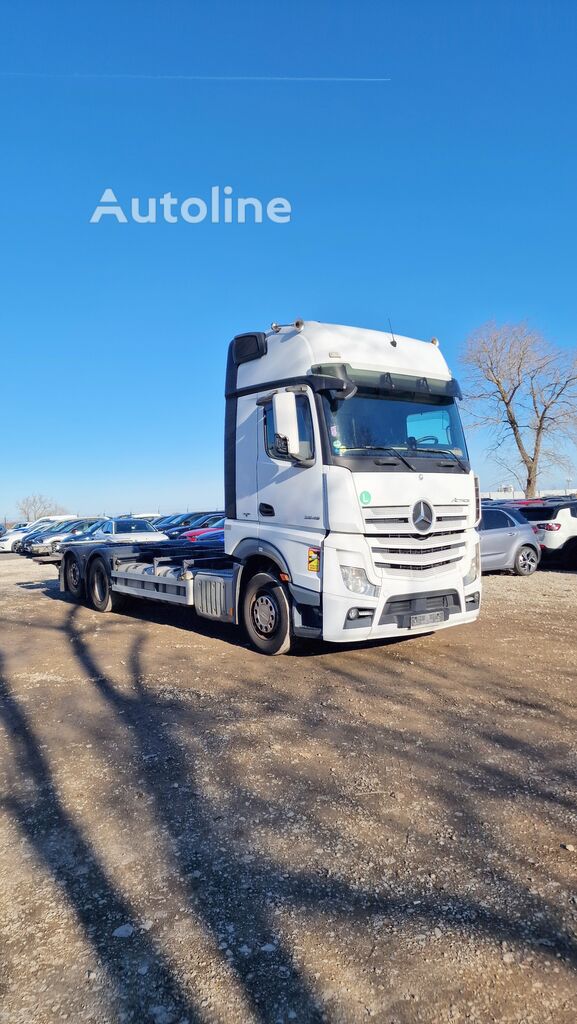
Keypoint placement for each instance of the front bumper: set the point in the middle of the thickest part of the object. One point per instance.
(393, 616)
(407, 605)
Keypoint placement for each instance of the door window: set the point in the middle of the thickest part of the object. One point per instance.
(494, 519)
(305, 425)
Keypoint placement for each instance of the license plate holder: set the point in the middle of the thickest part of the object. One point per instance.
(427, 619)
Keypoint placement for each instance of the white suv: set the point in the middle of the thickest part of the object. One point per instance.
(557, 530)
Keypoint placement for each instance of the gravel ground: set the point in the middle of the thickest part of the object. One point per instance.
(192, 832)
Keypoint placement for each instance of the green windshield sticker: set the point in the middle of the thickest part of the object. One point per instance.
(365, 497)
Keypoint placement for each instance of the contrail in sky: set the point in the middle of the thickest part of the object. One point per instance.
(187, 78)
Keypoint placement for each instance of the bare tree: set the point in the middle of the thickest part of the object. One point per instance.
(36, 505)
(525, 391)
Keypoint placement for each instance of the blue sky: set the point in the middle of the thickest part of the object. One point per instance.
(441, 199)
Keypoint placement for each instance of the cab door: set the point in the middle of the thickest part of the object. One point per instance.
(290, 503)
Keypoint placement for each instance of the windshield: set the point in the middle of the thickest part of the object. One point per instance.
(168, 520)
(371, 421)
(535, 513)
(133, 526)
(55, 527)
(95, 526)
(184, 517)
(210, 523)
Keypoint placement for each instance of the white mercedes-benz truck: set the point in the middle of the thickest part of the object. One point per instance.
(351, 505)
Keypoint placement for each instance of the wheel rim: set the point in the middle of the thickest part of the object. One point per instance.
(527, 561)
(265, 614)
(73, 574)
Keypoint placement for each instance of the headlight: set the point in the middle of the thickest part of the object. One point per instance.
(473, 568)
(356, 579)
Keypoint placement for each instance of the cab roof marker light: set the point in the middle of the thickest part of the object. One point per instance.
(435, 342)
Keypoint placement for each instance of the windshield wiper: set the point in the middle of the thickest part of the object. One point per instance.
(444, 451)
(381, 448)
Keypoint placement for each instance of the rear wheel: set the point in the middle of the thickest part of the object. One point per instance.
(73, 577)
(99, 588)
(526, 561)
(266, 614)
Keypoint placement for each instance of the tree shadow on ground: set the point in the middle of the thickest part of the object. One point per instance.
(237, 876)
(68, 857)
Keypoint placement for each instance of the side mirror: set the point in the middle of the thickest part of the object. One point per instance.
(286, 423)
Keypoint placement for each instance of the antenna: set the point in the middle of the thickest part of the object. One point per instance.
(393, 339)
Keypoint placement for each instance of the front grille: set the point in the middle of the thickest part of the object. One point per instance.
(398, 550)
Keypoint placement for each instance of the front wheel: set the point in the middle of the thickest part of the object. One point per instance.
(266, 614)
(526, 561)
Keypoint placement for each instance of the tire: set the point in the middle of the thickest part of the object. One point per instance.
(526, 561)
(99, 589)
(73, 577)
(267, 615)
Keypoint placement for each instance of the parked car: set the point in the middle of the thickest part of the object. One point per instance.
(32, 536)
(191, 521)
(213, 525)
(148, 516)
(508, 541)
(58, 545)
(210, 539)
(44, 530)
(556, 526)
(165, 521)
(12, 538)
(48, 542)
(123, 531)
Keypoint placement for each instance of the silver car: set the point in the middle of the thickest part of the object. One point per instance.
(508, 541)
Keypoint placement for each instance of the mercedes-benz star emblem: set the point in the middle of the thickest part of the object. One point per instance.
(423, 516)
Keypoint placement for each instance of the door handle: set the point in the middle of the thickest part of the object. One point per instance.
(266, 510)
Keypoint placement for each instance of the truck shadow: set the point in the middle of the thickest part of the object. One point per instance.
(187, 619)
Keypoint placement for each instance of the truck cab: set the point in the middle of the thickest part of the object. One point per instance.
(347, 477)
